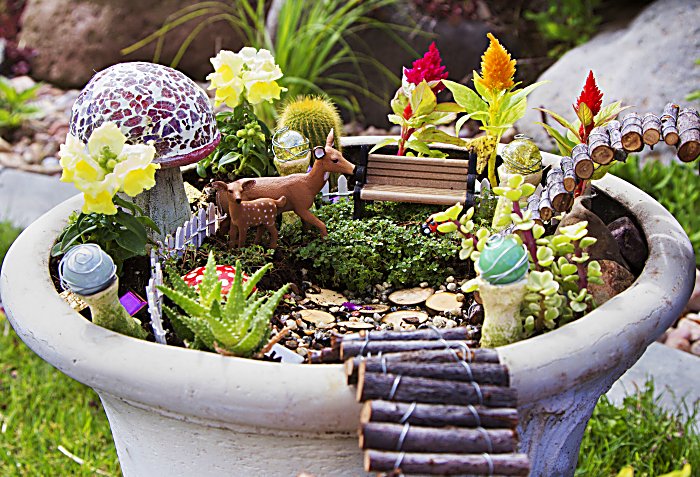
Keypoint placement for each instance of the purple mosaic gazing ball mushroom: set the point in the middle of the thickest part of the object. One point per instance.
(149, 102)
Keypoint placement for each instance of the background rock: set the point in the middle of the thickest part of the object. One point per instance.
(75, 38)
(646, 64)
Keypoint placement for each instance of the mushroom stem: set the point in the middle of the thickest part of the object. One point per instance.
(166, 203)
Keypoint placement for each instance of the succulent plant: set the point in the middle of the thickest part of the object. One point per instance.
(238, 326)
(560, 267)
(313, 117)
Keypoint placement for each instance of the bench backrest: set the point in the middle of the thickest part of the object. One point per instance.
(427, 172)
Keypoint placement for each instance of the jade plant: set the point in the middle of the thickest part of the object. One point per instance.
(238, 325)
(560, 268)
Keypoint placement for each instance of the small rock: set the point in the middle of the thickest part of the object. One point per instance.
(377, 317)
(451, 286)
(459, 297)
(678, 333)
(442, 288)
(678, 343)
(692, 327)
(291, 324)
(694, 302)
(632, 246)
(440, 321)
(450, 323)
(695, 348)
(291, 344)
(375, 301)
(424, 285)
(616, 279)
(334, 309)
(368, 319)
(303, 352)
(450, 279)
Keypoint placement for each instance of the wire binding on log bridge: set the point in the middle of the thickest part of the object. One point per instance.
(433, 404)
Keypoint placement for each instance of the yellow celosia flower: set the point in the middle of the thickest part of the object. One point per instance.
(105, 166)
(497, 68)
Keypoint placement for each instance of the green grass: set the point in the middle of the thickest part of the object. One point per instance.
(43, 414)
(640, 434)
(8, 233)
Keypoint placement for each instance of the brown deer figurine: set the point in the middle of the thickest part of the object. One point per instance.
(299, 189)
(243, 214)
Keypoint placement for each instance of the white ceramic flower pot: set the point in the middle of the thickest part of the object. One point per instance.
(180, 412)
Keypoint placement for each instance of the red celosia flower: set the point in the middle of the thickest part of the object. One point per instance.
(593, 98)
(590, 95)
(428, 68)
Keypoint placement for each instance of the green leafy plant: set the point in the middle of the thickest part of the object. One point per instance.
(566, 23)
(641, 434)
(358, 254)
(122, 235)
(309, 40)
(15, 106)
(245, 149)
(237, 326)
(675, 185)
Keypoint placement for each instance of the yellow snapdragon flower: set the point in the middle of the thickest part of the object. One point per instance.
(105, 166)
(251, 74)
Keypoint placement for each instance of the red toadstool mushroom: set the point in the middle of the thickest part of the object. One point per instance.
(226, 274)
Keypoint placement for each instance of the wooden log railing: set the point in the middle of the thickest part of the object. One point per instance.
(433, 405)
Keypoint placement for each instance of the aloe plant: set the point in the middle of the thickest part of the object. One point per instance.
(237, 326)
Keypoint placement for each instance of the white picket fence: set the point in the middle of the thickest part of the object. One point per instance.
(342, 191)
(203, 223)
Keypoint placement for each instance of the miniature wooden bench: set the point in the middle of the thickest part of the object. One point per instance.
(420, 180)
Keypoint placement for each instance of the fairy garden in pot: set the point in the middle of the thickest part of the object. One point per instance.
(420, 243)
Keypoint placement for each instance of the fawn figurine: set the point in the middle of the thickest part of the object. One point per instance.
(299, 189)
(243, 214)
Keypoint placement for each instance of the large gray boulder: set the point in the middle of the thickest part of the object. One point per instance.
(75, 38)
(646, 64)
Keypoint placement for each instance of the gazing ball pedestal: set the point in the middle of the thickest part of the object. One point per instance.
(90, 273)
(503, 266)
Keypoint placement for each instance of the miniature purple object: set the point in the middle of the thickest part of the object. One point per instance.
(132, 302)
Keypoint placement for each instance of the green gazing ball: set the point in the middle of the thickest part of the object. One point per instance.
(521, 156)
(503, 260)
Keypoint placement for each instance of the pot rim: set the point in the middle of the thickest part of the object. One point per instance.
(285, 397)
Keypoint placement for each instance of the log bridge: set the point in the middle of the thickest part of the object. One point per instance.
(442, 409)
(421, 180)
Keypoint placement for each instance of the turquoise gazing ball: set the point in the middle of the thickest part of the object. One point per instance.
(503, 260)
